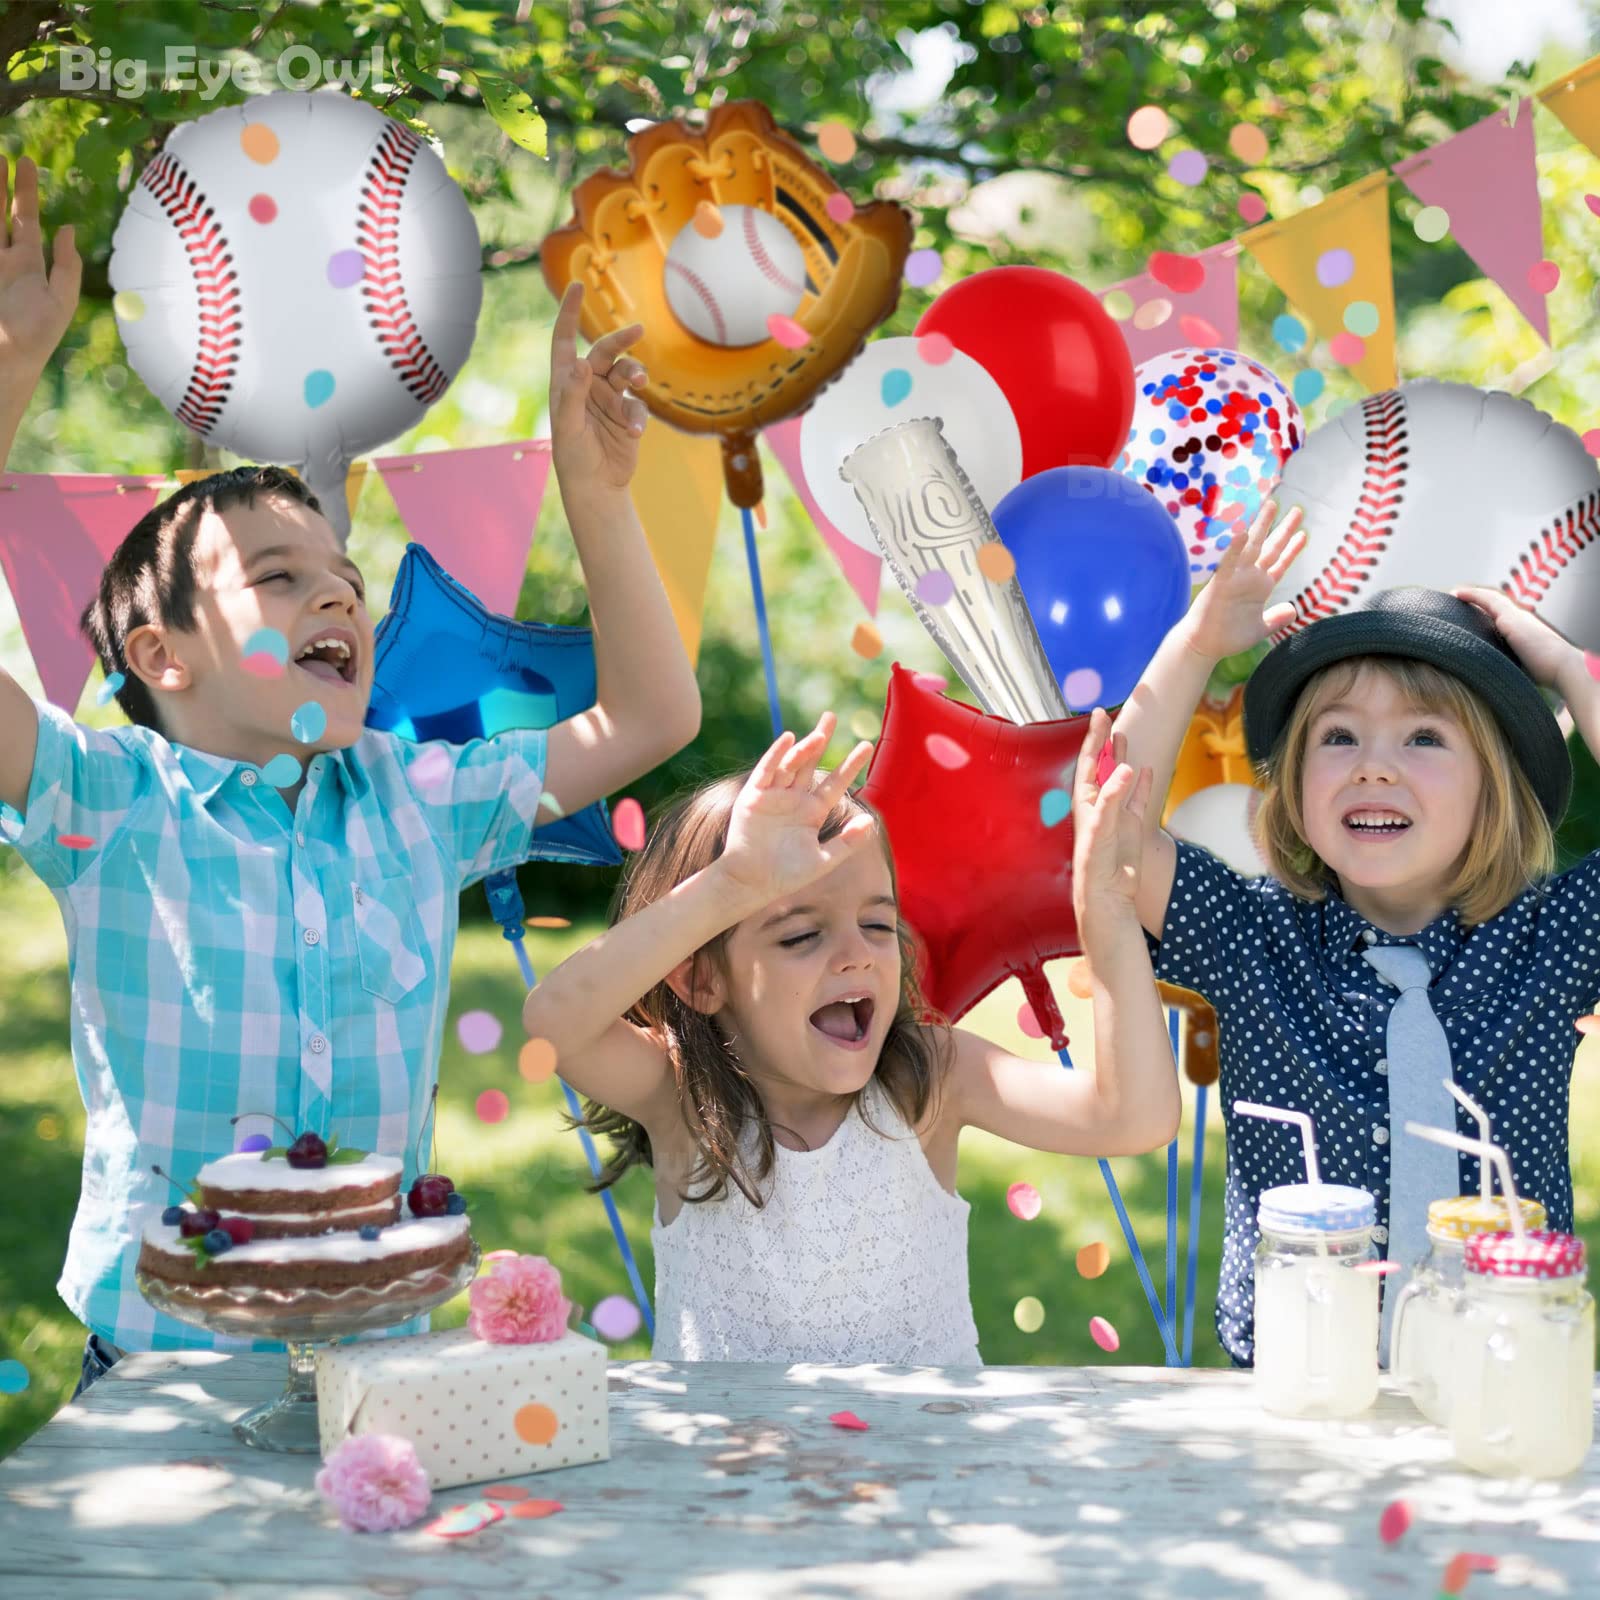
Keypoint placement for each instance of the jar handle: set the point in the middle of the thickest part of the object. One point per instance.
(1397, 1369)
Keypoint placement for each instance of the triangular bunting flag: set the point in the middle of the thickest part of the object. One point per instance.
(1487, 180)
(1205, 315)
(1576, 100)
(474, 511)
(56, 535)
(862, 569)
(677, 491)
(1332, 256)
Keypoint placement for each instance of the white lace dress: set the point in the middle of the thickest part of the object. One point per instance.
(859, 1255)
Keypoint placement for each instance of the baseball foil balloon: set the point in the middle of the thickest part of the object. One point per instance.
(297, 280)
(754, 290)
(1444, 484)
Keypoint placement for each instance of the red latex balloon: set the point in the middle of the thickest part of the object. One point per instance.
(1061, 361)
(984, 884)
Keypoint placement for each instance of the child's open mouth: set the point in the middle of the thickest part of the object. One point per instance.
(845, 1022)
(1376, 824)
(329, 657)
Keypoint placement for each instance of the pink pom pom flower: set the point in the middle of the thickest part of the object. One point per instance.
(375, 1482)
(518, 1301)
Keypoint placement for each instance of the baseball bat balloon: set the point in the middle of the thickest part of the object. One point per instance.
(297, 280)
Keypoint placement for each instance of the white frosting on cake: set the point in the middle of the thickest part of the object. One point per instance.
(246, 1170)
(417, 1233)
(332, 1218)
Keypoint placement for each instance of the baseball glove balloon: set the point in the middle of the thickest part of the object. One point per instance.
(712, 239)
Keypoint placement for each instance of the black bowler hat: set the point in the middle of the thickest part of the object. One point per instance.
(1418, 624)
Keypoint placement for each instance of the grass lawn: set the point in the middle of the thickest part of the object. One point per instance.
(524, 1177)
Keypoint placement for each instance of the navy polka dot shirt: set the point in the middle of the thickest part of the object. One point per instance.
(1303, 1018)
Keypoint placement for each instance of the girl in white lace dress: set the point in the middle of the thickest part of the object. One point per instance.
(751, 1028)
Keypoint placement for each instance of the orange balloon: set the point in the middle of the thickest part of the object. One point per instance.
(625, 224)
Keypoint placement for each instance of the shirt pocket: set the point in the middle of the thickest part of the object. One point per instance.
(387, 941)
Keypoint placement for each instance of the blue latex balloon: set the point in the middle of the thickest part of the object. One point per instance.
(1104, 573)
(445, 668)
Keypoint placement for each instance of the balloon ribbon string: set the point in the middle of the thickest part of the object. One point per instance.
(1196, 1167)
(1172, 1197)
(760, 599)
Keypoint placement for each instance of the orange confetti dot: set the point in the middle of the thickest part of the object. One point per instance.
(493, 1106)
(996, 563)
(536, 1060)
(836, 141)
(866, 641)
(536, 1424)
(627, 824)
(531, 1509)
(1456, 1573)
(1079, 983)
(505, 1491)
(74, 841)
(943, 750)
(259, 142)
(1249, 143)
(1093, 1259)
(787, 332)
(546, 922)
(1589, 1024)
(708, 219)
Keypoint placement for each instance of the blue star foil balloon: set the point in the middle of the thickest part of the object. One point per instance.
(445, 668)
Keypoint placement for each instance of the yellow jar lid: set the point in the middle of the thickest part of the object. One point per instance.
(1470, 1213)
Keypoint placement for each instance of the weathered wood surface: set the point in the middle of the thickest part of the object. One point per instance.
(728, 1482)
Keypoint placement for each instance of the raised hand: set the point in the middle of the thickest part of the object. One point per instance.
(1231, 614)
(596, 415)
(773, 847)
(35, 307)
(1108, 823)
(1546, 654)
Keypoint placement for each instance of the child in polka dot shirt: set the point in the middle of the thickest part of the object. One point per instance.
(1413, 775)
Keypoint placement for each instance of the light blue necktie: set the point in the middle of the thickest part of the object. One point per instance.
(1419, 1062)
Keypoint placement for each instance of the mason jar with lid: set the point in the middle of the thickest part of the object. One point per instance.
(1425, 1313)
(1316, 1314)
(1524, 1344)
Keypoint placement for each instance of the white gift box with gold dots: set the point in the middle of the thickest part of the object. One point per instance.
(474, 1411)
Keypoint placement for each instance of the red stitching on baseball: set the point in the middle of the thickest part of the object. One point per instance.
(217, 289)
(1573, 530)
(378, 235)
(764, 263)
(700, 287)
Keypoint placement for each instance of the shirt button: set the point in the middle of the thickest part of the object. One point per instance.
(312, 936)
(1380, 1235)
(1383, 1066)
(1368, 936)
(248, 779)
(318, 1044)
(1380, 1135)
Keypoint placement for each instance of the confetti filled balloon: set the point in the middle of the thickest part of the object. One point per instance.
(238, 255)
(1210, 433)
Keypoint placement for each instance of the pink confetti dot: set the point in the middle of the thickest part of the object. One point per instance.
(930, 681)
(615, 1318)
(1082, 687)
(935, 588)
(493, 1105)
(627, 824)
(1196, 330)
(787, 332)
(1378, 1269)
(261, 665)
(923, 267)
(1179, 273)
(1027, 1022)
(263, 208)
(432, 768)
(1104, 1334)
(478, 1031)
(1592, 662)
(1252, 208)
(935, 348)
(1105, 764)
(1188, 167)
(1543, 276)
(1335, 267)
(1148, 127)
(1593, 203)
(1394, 1522)
(839, 206)
(1023, 1200)
(1591, 441)
(849, 1421)
(74, 841)
(945, 752)
(1348, 349)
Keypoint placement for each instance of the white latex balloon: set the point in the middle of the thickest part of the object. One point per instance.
(889, 382)
(1219, 819)
(297, 279)
(1444, 484)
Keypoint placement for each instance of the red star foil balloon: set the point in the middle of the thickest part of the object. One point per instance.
(985, 875)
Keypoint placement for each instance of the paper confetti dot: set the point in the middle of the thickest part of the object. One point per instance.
(1543, 276)
(1456, 1573)
(866, 641)
(309, 722)
(836, 141)
(547, 922)
(1198, 331)
(1189, 168)
(258, 142)
(1378, 1269)
(536, 1060)
(996, 563)
(1307, 386)
(1028, 1023)
(1104, 1335)
(1431, 224)
(478, 1031)
(13, 1377)
(787, 332)
(1179, 273)
(1593, 203)
(896, 385)
(461, 1521)
(864, 725)
(1022, 1198)
(319, 387)
(627, 824)
(1028, 1314)
(616, 1318)
(532, 1509)
(282, 771)
(1079, 979)
(48, 1127)
(107, 692)
(923, 267)
(505, 1491)
(267, 642)
(935, 588)
(945, 752)
(1347, 349)
(849, 1421)
(254, 1141)
(935, 348)
(1148, 127)
(493, 1106)
(931, 682)
(128, 305)
(1105, 763)
(263, 208)
(839, 206)
(345, 268)
(1591, 441)
(1590, 1024)
(1361, 318)
(1249, 143)
(1152, 314)
(707, 219)
(1082, 687)
(1093, 1259)
(535, 1424)
(1394, 1521)
(1252, 208)
(1289, 333)
(1335, 267)
(1118, 304)
(1055, 805)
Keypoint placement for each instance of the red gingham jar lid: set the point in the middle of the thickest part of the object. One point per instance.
(1540, 1255)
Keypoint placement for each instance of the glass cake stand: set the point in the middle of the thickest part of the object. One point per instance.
(303, 1319)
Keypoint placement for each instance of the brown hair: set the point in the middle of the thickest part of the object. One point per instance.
(715, 1093)
(1511, 846)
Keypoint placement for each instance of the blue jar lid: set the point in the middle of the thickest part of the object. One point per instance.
(1316, 1208)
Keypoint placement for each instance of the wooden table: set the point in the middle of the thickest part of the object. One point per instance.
(728, 1482)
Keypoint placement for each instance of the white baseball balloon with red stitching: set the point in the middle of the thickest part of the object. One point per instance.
(724, 285)
(1444, 484)
(297, 280)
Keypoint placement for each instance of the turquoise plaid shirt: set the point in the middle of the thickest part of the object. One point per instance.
(228, 956)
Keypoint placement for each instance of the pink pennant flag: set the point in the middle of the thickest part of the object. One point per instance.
(1487, 180)
(1207, 315)
(474, 511)
(56, 535)
(863, 569)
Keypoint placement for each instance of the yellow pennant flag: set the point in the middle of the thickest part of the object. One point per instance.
(1305, 256)
(1576, 100)
(352, 483)
(677, 491)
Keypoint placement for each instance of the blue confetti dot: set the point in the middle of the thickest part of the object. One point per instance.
(309, 722)
(269, 642)
(319, 387)
(1290, 333)
(1307, 386)
(1054, 805)
(13, 1377)
(896, 386)
(281, 771)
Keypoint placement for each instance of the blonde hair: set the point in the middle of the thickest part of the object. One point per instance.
(1511, 845)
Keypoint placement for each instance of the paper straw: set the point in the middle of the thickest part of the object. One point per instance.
(1308, 1137)
(1484, 1152)
(1485, 1174)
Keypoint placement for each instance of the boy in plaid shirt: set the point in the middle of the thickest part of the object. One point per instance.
(236, 947)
